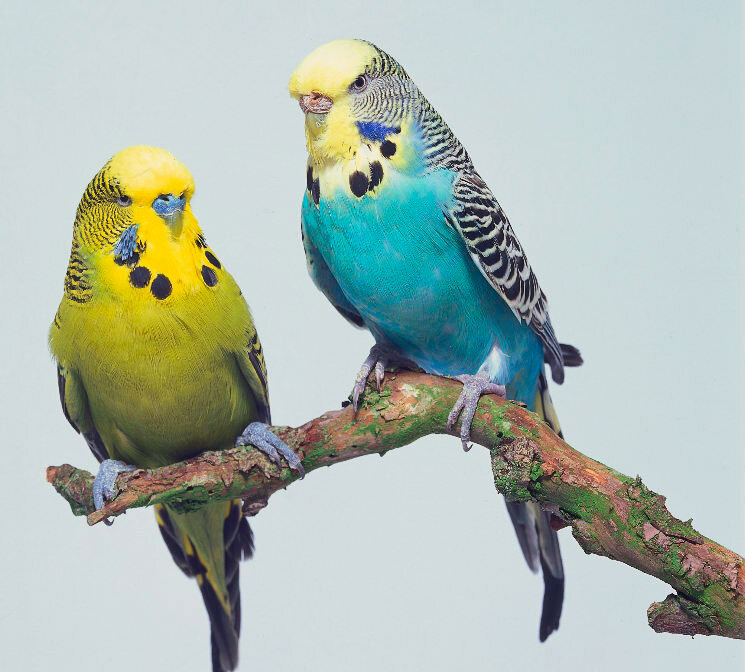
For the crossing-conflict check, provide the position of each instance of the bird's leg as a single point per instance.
(473, 388)
(103, 484)
(379, 358)
(258, 435)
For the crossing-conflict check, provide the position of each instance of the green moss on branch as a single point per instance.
(612, 515)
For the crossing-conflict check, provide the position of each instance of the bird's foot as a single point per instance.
(378, 359)
(473, 388)
(258, 435)
(103, 484)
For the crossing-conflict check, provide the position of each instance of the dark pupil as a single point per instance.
(359, 82)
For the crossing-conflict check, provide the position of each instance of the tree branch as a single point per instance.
(610, 514)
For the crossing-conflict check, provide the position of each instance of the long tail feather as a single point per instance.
(538, 541)
(553, 596)
(209, 544)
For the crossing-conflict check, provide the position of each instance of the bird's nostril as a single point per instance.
(164, 197)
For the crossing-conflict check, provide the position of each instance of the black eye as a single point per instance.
(359, 84)
(124, 200)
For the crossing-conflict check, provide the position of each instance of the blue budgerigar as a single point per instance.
(405, 239)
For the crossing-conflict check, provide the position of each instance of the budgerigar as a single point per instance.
(158, 360)
(404, 238)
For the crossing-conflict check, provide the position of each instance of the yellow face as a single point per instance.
(324, 85)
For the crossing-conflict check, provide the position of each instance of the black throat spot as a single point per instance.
(358, 183)
(315, 191)
(130, 261)
(161, 287)
(376, 174)
(212, 259)
(209, 276)
(139, 277)
(388, 149)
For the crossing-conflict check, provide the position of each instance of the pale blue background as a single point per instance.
(612, 133)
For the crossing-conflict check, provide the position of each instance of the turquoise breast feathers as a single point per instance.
(380, 246)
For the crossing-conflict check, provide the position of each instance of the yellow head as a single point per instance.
(345, 88)
(137, 204)
(142, 185)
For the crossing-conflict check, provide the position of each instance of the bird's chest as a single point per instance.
(389, 246)
(407, 272)
(155, 348)
(159, 310)
(164, 385)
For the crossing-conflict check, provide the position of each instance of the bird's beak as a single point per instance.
(315, 103)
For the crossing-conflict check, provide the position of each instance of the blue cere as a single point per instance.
(168, 204)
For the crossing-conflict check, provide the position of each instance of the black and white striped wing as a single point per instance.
(495, 249)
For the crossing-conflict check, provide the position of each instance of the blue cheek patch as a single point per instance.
(125, 247)
(372, 130)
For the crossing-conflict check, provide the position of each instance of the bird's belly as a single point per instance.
(423, 309)
(410, 277)
(159, 393)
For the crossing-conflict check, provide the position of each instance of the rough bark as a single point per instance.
(610, 514)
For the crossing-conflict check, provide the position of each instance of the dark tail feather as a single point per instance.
(540, 546)
(553, 572)
(553, 596)
(570, 355)
(225, 628)
(223, 635)
(538, 541)
(216, 662)
(238, 544)
(526, 532)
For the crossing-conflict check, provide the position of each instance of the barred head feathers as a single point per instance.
(354, 92)
(120, 197)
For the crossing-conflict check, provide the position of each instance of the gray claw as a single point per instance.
(473, 388)
(379, 373)
(361, 380)
(378, 360)
(258, 435)
(103, 484)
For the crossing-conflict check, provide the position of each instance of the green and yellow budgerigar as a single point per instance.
(158, 360)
